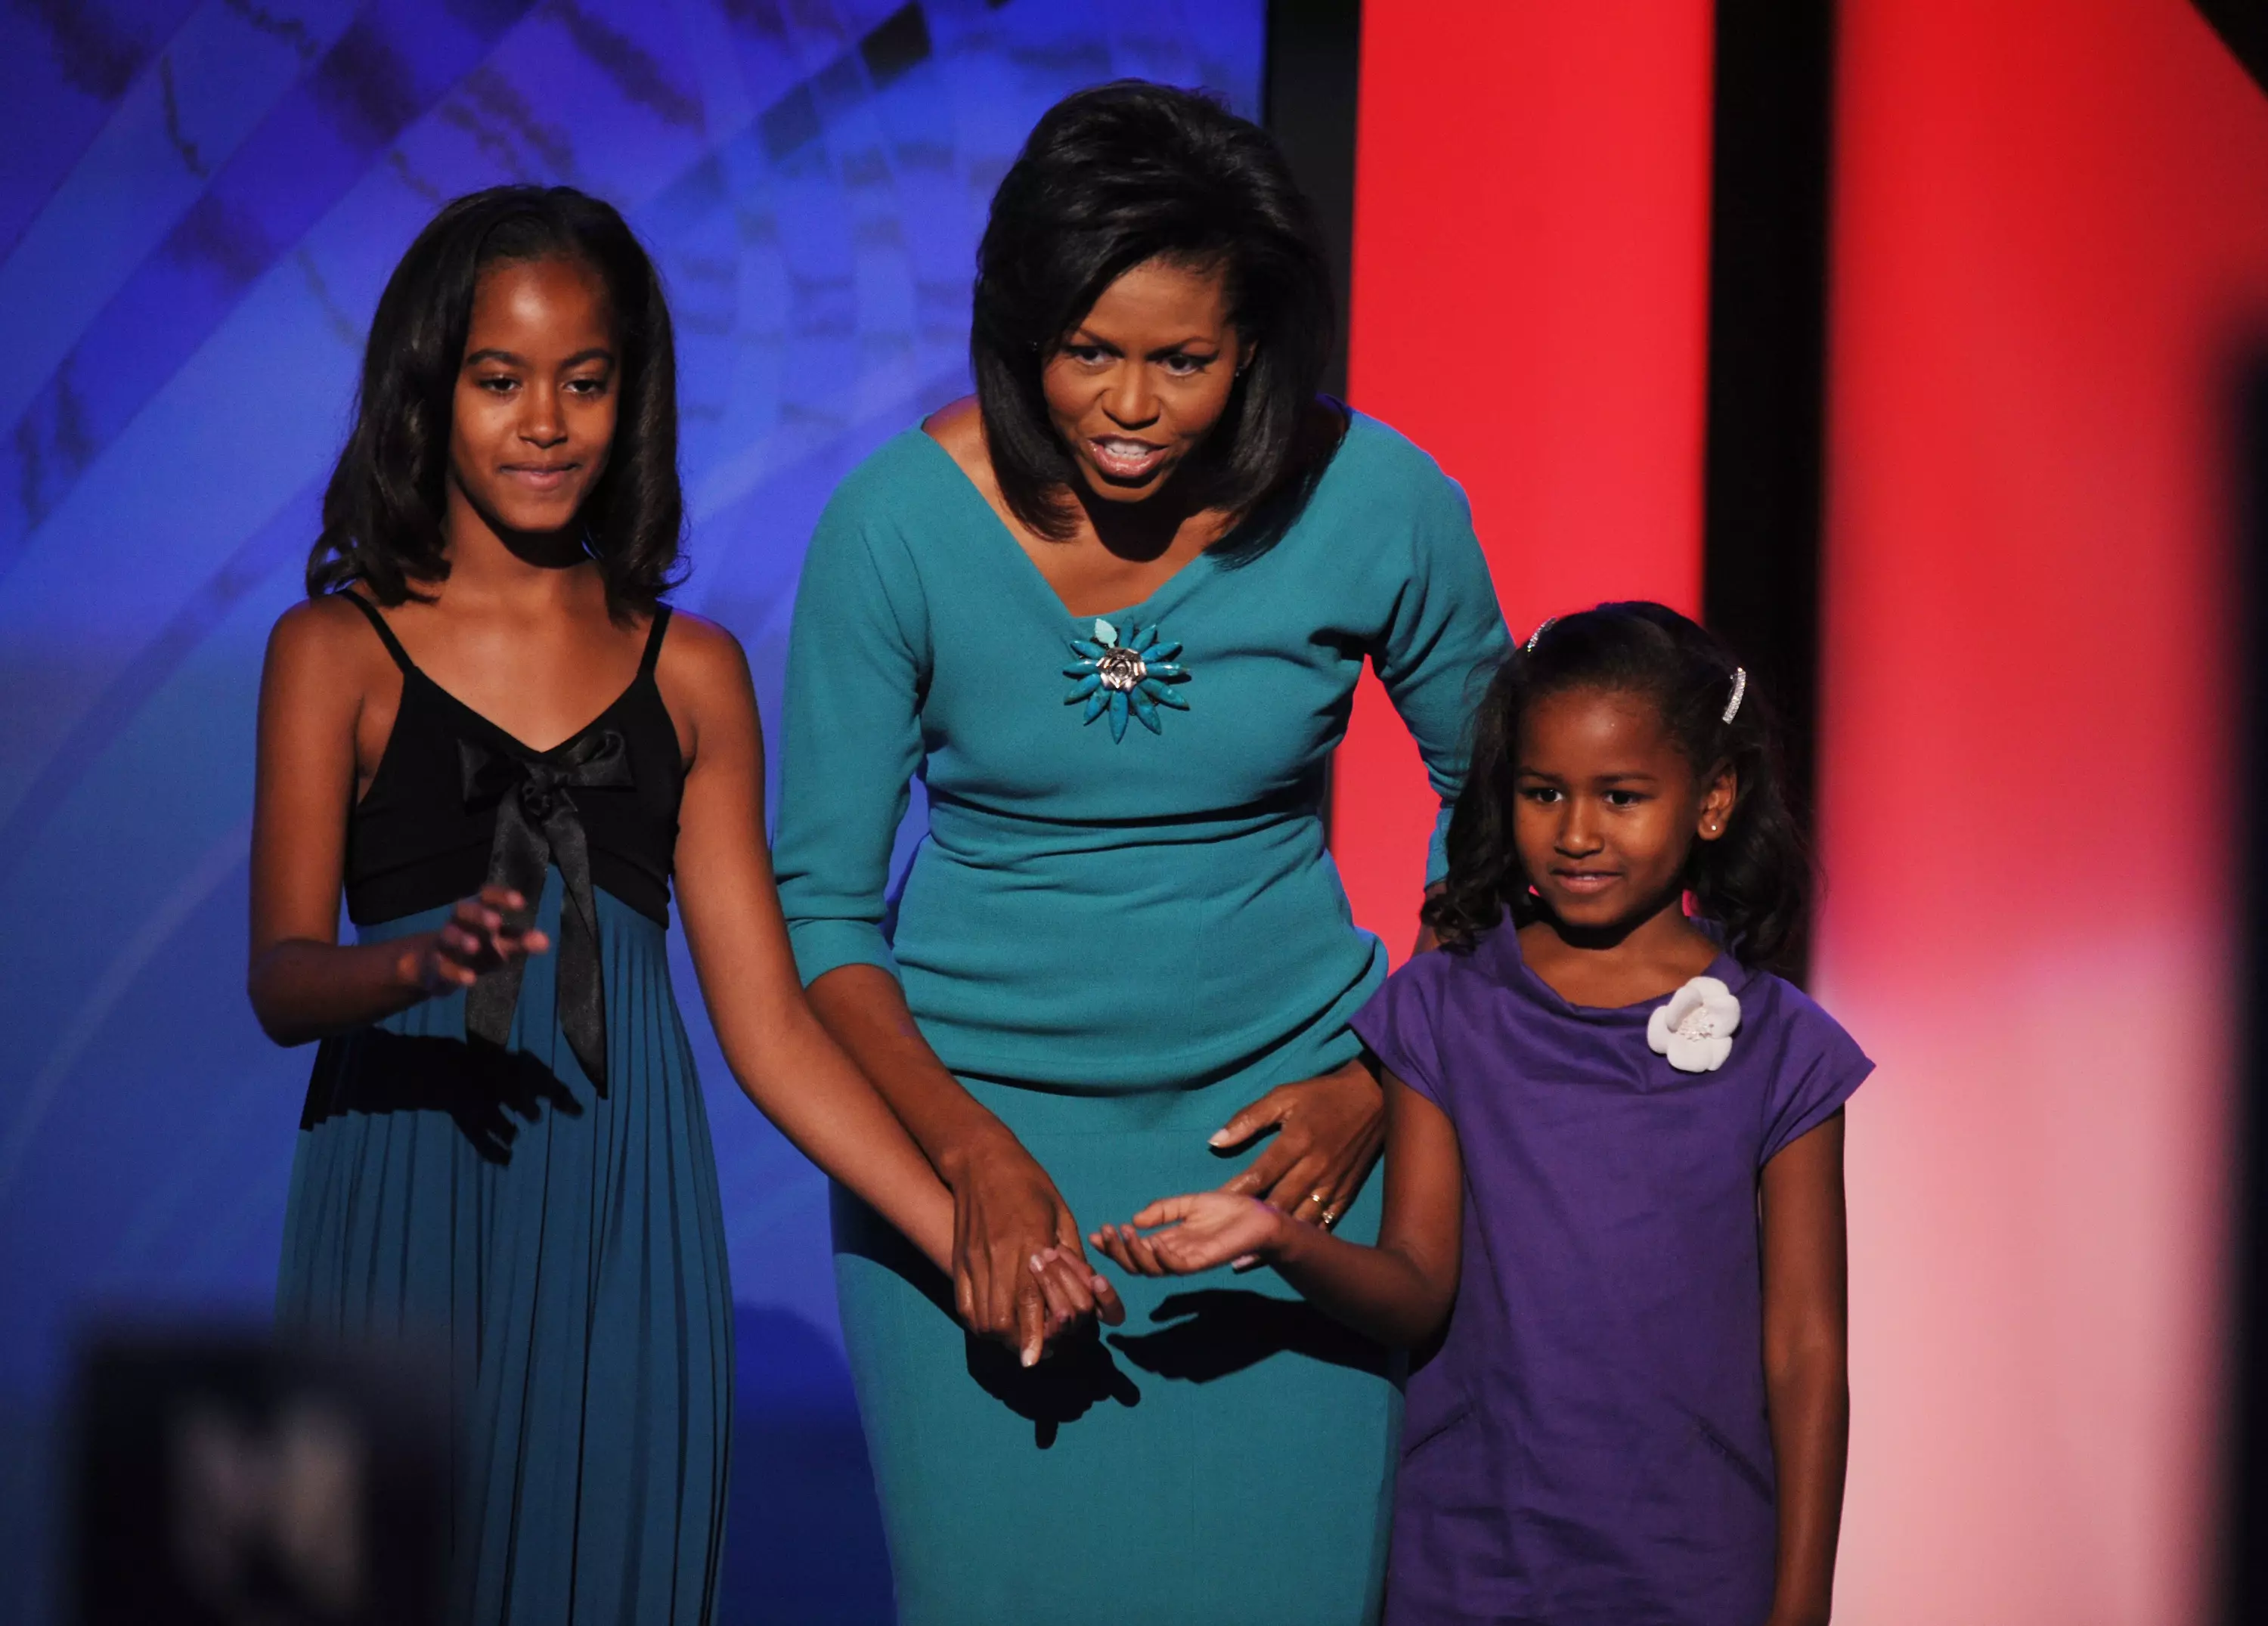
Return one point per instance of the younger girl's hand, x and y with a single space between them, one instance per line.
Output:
478 937
1201 1230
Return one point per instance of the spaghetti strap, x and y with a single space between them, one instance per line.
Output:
386 633
653 640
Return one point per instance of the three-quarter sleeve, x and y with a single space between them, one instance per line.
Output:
1442 644
858 657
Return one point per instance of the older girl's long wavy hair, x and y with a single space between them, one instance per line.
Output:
382 510
1754 881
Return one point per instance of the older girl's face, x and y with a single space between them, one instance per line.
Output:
1137 387
534 414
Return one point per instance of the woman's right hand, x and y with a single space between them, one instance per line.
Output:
1018 1274
478 937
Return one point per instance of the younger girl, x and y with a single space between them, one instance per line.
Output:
1638 1412
488 727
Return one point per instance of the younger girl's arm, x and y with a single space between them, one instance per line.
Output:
304 985
783 1059
1398 1292
1807 1374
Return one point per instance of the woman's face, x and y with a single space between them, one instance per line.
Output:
534 414
1141 381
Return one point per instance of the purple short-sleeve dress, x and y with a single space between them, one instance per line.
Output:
1589 1447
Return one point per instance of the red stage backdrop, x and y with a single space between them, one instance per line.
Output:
1530 305
2051 233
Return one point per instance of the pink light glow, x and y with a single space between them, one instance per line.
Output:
2051 229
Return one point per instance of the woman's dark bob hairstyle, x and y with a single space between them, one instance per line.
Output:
1754 881
382 512
1112 177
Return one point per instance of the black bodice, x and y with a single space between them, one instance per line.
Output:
424 832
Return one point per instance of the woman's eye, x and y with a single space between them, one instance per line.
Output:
588 386
1542 794
1187 367
1086 355
1623 799
497 384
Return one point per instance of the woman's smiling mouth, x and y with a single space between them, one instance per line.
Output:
1122 457
1584 882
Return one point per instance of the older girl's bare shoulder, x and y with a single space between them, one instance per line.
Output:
326 637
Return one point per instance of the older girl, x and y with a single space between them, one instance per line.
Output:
486 724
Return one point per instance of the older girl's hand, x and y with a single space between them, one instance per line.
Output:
1201 1230
1328 1130
479 937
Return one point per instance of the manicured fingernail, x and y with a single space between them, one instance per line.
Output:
1219 1138
1037 1266
1031 1356
1098 1284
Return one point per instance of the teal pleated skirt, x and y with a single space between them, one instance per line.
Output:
1227 1456
564 1251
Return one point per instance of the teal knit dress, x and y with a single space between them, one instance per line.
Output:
1121 923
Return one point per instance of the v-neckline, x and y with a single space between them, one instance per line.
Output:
1203 557
514 741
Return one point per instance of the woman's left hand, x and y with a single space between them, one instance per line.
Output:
1328 1130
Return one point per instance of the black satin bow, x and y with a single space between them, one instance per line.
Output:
537 824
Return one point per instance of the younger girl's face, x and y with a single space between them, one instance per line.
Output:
1607 808
1140 382
534 414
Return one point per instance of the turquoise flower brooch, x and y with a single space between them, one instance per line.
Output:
1118 675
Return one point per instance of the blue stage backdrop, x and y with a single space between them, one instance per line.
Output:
198 205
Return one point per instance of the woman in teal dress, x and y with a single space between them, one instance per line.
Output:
1111 614
486 727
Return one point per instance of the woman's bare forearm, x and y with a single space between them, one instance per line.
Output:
865 1010
1381 1292
302 990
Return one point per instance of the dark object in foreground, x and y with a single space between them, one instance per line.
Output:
225 1478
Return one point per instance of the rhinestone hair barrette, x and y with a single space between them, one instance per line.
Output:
1536 637
1740 691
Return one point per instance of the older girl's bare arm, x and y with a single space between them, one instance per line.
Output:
304 985
784 1060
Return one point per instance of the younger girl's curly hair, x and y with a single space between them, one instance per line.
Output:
382 512
1754 881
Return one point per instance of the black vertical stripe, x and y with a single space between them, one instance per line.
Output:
1314 71
1310 81
1772 148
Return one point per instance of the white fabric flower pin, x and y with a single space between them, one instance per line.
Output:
1695 1029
